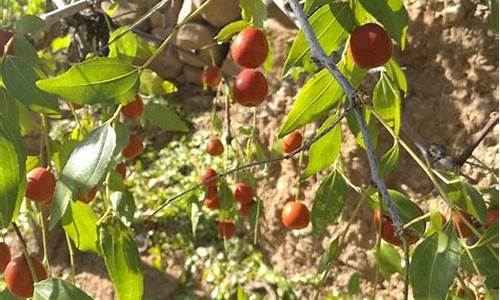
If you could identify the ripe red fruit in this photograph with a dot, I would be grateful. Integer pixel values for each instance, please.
(249, 49)
(40, 185)
(211, 76)
(250, 88)
(226, 229)
(122, 169)
(90, 195)
(207, 174)
(492, 217)
(245, 209)
(211, 202)
(215, 147)
(460, 226)
(18, 277)
(370, 46)
(295, 215)
(4, 256)
(134, 147)
(5, 36)
(388, 233)
(134, 109)
(292, 142)
(243, 193)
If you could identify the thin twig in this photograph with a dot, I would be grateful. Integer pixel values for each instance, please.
(477, 139)
(290, 155)
(25, 252)
(318, 53)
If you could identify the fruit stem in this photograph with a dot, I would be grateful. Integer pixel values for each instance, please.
(44, 237)
(318, 53)
(71, 257)
(25, 252)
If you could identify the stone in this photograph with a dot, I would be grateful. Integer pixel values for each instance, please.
(166, 17)
(127, 13)
(453, 13)
(220, 12)
(186, 9)
(192, 74)
(194, 36)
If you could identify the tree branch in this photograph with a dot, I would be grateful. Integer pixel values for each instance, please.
(290, 155)
(318, 53)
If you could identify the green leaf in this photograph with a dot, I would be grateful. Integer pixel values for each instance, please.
(332, 24)
(164, 117)
(195, 213)
(151, 84)
(19, 78)
(168, 87)
(124, 48)
(387, 103)
(124, 205)
(389, 161)
(313, 5)
(329, 256)
(122, 259)
(84, 169)
(371, 126)
(388, 260)
(328, 202)
(353, 286)
(28, 23)
(490, 236)
(486, 263)
(80, 223)
(319, 95)
(26, 50)
(12, 174)
(12, 152)
(433, 272)
(98, 80)
(397, 75)
(254, 12)
(324, 151)
(392, 14)
(231, 29)
(58, 289)
(122, 137)
(494, 14)
(465, 196)
(241, 295)
(226, 196)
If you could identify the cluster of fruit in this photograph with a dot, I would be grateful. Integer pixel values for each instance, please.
(243, 194)
(249, 50)
(459, 219)
(16, 272)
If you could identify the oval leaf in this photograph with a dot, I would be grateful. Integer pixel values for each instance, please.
(328, 202)
(98, 80)
(80, 223)
(433, 272)
(325, 150)
(19, 77)
(58, 289)
(331, 24)
(122, 259)
(228, 31)
(320, 94)
(164, 117)
(84, 169)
